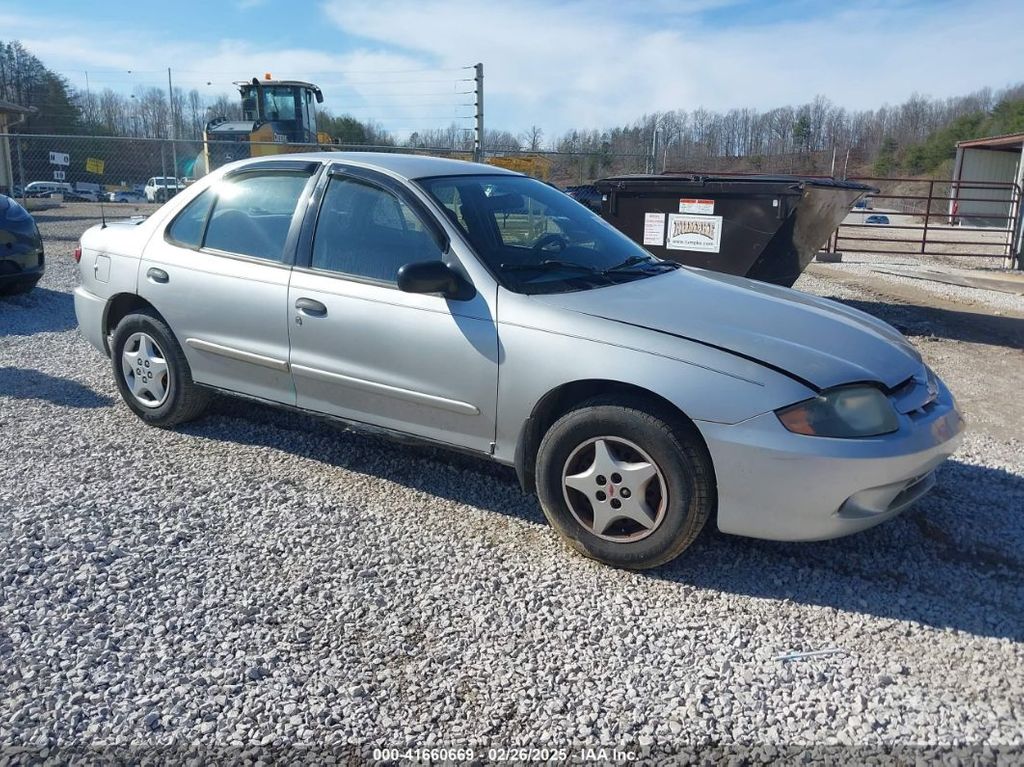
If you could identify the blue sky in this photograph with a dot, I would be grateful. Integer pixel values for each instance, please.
(580, 63)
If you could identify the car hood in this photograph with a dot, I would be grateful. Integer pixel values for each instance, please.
(819, 341)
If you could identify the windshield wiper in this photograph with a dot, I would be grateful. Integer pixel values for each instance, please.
(634, 261)
(550, 265)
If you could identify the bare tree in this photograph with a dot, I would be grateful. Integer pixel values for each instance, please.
(532, 138)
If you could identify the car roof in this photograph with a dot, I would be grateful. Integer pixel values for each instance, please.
(408, 165)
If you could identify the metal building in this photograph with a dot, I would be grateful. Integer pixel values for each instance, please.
(10, 115)
(987, 178)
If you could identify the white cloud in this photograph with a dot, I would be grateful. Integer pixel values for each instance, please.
(134, 58)
(595, 64)
(578, 63)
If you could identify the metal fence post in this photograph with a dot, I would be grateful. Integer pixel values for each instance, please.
(1015, 252)
(927, 216)
(21, 167)
(478, 148)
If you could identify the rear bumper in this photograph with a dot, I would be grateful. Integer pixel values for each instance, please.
(20, 270)
(89, 310)
(21, 279)
(783, 486)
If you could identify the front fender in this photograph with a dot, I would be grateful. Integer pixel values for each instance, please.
(704, 383)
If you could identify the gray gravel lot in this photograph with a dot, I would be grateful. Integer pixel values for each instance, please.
(258, 578)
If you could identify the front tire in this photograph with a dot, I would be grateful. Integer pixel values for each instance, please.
(624, 483)
(152, 374)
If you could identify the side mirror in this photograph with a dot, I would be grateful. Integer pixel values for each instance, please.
(434, 277)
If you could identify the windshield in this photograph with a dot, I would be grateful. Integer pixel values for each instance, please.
(538, 239)
(279, 103)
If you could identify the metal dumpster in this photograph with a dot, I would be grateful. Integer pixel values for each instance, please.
(764, 227)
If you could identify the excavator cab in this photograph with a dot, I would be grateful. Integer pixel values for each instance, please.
(287, 106)
(276, 115)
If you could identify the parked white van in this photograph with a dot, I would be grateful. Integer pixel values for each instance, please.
(44, 188)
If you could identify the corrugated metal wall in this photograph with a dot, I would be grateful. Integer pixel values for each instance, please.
(987, 165)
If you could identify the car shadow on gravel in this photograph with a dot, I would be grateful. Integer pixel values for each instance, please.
(39, 311)
(930, 566)
(972, 327)
(954, 561)
(25, 383)
(460, 477)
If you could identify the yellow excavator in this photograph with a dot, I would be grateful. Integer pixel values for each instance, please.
(278, 117)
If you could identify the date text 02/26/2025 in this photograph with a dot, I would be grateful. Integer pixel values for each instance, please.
(514, 754)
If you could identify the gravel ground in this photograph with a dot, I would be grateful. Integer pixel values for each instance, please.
(868, 264)
(258, 580)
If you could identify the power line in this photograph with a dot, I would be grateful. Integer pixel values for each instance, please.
(404, 103)
(422, 117)
(315, 71)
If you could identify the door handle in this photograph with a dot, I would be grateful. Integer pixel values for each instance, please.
(311, 308)
(157, 275)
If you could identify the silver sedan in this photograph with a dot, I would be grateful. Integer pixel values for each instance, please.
(480, 309)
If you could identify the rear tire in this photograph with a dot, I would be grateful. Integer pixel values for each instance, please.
(624, 483)
(152, 374)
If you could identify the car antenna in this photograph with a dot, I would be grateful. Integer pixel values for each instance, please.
(103, 215)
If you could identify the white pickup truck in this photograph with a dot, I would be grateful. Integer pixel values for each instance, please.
(162, 188)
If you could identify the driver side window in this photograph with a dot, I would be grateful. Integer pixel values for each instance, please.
(368, 232)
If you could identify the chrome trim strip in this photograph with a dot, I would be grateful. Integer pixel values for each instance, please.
(238, 354)
(442, 403)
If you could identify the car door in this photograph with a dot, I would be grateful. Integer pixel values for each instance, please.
(219, 275)
(364, 350)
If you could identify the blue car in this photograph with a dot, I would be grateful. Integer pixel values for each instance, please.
(876, 220)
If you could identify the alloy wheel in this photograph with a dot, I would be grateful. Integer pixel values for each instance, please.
(614, 489)
(145, 370)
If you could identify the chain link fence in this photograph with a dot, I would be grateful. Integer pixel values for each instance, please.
(117, 169)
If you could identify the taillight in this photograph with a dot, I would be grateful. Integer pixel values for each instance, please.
(78, 254)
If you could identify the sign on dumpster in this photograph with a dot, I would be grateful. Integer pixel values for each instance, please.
(689, 205)
(92, 165)
(699, 233)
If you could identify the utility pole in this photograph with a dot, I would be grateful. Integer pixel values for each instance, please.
(478, 146)
(88, 97)
(174, 128)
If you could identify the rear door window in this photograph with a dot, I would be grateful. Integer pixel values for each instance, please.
(253, 213)
(187, 229)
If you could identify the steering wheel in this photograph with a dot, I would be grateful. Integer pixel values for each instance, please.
(550, 239)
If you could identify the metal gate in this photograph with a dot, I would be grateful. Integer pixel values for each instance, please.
(924, 217)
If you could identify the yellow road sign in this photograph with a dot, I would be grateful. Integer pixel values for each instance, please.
(92, 165)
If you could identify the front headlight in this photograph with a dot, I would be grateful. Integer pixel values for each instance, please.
(847, 411)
